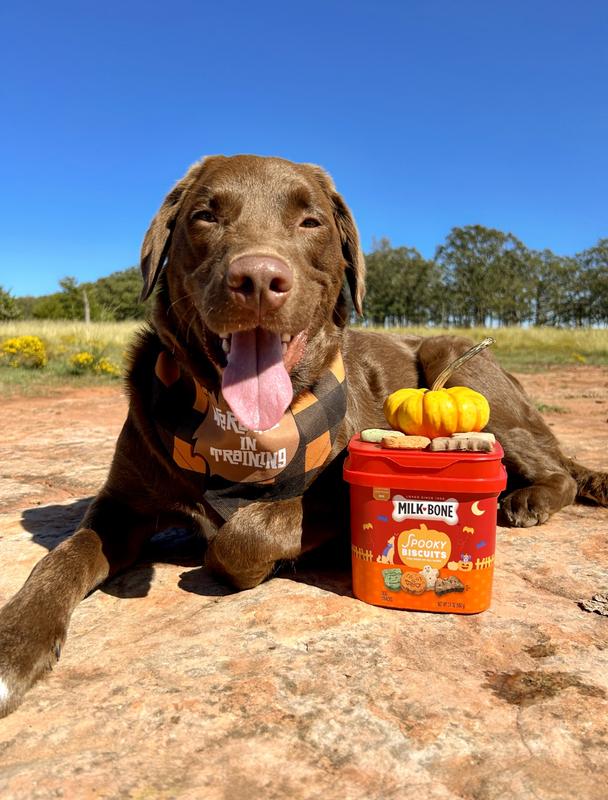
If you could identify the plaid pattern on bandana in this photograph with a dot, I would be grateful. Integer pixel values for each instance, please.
(232, 466)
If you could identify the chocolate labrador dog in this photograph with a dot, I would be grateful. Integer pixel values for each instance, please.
(244, 393)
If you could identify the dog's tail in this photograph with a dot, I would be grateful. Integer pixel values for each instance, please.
(592, 485)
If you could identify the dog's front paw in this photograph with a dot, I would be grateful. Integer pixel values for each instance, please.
(30, 645)
(527, 507)
(226, 565)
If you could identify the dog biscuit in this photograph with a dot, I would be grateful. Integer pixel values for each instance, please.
(405, 442)
(376, 435)
(481, 435)
(442, 443)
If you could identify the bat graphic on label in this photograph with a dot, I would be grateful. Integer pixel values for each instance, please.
(367, 526)
(468, 530)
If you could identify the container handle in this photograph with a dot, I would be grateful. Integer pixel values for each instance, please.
(426, 462)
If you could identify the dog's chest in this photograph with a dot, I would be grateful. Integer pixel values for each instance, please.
(231, 466)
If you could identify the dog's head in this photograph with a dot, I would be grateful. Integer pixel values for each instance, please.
(252, 254)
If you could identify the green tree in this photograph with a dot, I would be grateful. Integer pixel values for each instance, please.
(485, 275)
(509, 284)
(593, 271)
(26, 305)
(48, 306)
(71, 298)
(117, 295)
(403, 288)
(67, 304)
(9, 308)
(552, 277)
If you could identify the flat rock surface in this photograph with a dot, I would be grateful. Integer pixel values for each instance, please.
(171, 686)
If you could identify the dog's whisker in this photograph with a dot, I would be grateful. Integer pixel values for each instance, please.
(179, 299)
(188, 330)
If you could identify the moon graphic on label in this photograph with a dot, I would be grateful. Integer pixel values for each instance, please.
(476, 510)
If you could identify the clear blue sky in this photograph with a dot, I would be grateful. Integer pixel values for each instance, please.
(428, 114)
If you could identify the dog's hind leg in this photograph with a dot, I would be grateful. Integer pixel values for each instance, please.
(531, 459)
(592, 485)
(543, 475)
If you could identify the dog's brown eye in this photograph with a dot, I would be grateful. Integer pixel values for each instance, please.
(310, 222)
(204, 216)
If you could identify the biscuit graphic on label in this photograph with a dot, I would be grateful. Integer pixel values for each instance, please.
(413, 582)
(392, 579)
(447, 585)
(430, 575)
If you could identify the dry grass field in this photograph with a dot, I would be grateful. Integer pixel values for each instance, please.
(74, 354)
(535, 349)
(79, 354)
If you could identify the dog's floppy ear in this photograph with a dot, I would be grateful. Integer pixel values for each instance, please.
(349, 236)
(351, 249)
(158, 236)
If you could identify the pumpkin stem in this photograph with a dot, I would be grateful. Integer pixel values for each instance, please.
(472, 351)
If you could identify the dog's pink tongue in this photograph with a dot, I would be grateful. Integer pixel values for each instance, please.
(255, 384)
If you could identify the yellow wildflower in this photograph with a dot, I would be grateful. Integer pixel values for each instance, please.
(23, 351)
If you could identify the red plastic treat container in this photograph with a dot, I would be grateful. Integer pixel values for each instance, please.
(423, 526)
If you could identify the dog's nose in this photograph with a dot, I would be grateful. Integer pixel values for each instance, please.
(259, 282)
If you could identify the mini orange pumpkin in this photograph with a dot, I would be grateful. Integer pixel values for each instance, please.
(439, 411)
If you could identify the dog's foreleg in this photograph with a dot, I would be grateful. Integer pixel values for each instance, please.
(245, 549)
(33, 624)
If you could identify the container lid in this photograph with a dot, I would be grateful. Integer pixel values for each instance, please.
(370, 464)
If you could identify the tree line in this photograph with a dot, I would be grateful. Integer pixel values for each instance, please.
(482, 276)
(478, 276)
(112, 298)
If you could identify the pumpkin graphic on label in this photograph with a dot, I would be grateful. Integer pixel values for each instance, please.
(421, 546)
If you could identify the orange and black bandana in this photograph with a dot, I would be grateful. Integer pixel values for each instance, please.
(231, 465)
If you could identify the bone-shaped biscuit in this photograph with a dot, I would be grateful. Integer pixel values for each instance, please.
(487, 437)
(442, 443)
